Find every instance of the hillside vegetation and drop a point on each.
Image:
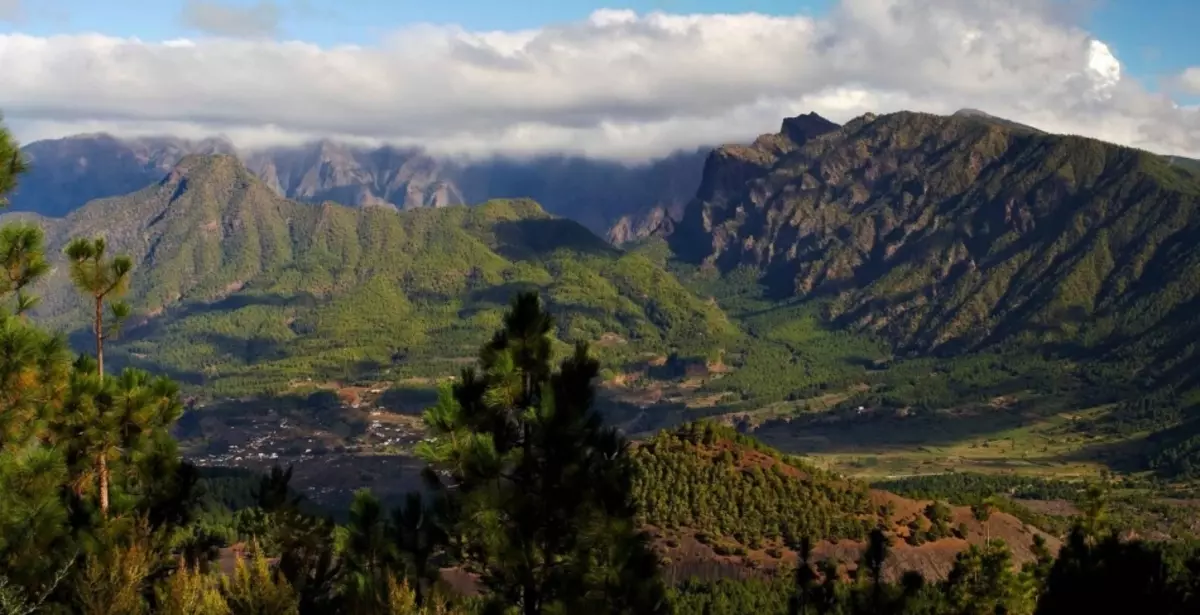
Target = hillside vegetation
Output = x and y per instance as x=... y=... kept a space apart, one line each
x=983 y=258
x=239 y=290
x=728 y=485
x=723 y=504
x=955 y=233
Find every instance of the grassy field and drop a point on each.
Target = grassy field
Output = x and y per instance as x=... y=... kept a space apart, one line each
x=1031 y=436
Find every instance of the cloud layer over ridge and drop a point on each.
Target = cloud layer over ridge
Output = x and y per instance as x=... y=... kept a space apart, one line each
x=617 y=85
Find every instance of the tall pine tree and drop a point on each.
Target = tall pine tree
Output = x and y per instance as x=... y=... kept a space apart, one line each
x=540 y=489
x=101 y=278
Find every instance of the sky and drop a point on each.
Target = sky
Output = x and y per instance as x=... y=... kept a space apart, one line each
x=628 y=80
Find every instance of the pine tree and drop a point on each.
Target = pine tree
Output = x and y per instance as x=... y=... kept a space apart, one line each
x=190 y=592
x=873 y=559
x=367 y=555
x=33 y=365
x=34 y=370
x=101 y=278
x=108 y=418
x=35 y=547
x=983 y=581
x=22 y=262
x=12 y=164
x=541 y=489
x=309 y=560
x=417 y=534
x=274 y=491
x=254 y=589
x=982 y=512
x=402 y=600
x=112 y=578
x=802 y=599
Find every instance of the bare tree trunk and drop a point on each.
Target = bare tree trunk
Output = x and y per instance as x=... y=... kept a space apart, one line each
x=102 y=465
x=99 y=330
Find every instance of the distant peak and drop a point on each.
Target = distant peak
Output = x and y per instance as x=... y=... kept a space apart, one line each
x=192 y=161
x=969 y=112
x=218 y=141
x=328 y=145
x=984 y=116
x=804 y=127
x=194 y=164
x=88 y=136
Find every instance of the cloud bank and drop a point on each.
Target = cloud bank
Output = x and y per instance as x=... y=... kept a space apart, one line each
x=618 y=84
x=1189 y=80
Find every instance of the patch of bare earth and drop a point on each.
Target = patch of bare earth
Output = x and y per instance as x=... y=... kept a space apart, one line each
x=687 y=557
x=609 y=340
x=706 y=401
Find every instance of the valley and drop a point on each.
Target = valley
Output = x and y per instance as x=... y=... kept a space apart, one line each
x=250 y=297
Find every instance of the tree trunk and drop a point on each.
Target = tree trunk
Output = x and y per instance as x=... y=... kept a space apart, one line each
x=102 y=470
x=99 y=330
x=531 y=601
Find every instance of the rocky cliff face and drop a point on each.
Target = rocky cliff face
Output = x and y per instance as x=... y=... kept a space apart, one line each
x=728 y=172
x=630 y=228
x=956 y=232
x=327 y=171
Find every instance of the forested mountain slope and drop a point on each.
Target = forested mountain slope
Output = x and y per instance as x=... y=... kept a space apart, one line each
x=239 y=290
x=1187 y=163
x=718 y=501
x=958 y=233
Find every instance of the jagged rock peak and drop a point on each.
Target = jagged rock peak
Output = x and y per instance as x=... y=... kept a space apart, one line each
x=804 y=127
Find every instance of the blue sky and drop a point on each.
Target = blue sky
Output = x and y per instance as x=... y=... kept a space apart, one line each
x=1152 y=38
x=355 y=21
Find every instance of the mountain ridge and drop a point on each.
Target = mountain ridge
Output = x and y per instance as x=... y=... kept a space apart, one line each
x=66 y=173
x=916 y=203
x=235 y=285
x=69 y=172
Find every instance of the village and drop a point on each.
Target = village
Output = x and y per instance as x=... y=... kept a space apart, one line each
x=360 y=438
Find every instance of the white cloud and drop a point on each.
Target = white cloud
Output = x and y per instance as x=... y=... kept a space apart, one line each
x=223 y=19
x=1189 y=80
x=617 y=84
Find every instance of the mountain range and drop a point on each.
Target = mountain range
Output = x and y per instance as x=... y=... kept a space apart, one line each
x=620 y=201
x=237 y=285
x=934 y=233
x=907 y=235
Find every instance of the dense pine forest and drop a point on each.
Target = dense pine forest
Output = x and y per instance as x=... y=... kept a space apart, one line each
x=531 y=503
